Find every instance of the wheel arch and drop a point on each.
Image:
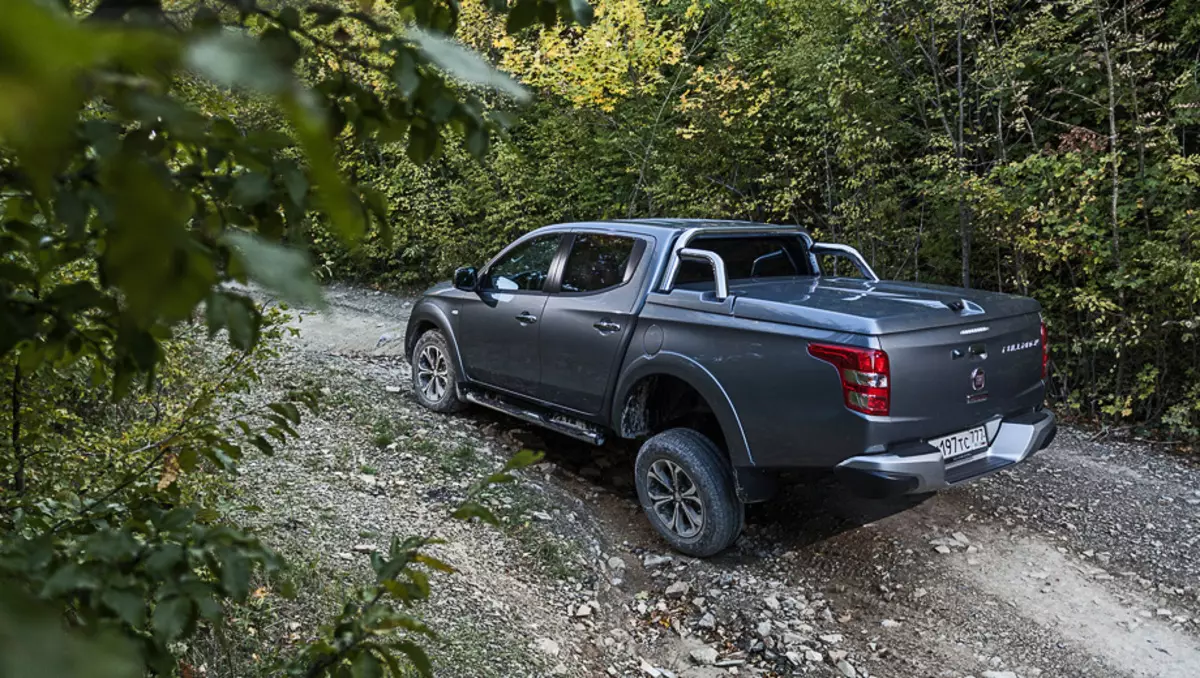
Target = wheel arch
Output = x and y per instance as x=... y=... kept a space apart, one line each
x=428 y=316
x=635 y=388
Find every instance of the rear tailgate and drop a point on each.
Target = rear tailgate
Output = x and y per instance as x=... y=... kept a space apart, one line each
x=953 y=378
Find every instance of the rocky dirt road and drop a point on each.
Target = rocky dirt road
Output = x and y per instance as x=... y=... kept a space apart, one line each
x=1083 y=562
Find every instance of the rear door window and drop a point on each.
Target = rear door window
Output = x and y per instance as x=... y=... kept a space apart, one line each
x=597 y=262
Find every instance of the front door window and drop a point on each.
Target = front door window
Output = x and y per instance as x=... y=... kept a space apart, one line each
x=525 y=268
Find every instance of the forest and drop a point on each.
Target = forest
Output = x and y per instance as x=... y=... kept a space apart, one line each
x=154 y=153
x=1043 y=148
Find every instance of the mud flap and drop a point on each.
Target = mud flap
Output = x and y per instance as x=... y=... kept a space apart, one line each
x=754 y=485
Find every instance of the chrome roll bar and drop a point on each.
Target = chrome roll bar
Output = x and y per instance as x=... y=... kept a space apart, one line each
x=720 y=280
x=847 y=251
x=680 y=252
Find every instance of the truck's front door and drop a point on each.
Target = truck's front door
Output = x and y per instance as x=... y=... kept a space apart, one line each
x=498 y=330
x=587 y=320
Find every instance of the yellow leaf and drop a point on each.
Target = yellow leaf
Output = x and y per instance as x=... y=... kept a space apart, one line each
x=170 y=471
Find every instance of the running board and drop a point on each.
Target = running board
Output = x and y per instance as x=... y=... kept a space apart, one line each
x=561 y=423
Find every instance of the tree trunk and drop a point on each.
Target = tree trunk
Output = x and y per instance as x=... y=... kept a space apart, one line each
x=18 y=481
x=1115 y=158
x=964 y=213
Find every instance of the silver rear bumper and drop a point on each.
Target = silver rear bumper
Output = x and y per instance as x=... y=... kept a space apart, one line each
x=919 y=467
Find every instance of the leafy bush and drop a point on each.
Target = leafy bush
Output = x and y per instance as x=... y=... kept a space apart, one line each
x=154 y=153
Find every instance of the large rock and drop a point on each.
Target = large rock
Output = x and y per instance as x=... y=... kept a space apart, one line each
x=704 y=656
x=678 y=590
x=653 y=560
x=547 y=646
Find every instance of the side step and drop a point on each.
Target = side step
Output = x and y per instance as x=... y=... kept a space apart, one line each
x=561 y=423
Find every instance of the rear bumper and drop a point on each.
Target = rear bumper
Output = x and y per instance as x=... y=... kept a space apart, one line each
x=919 y=467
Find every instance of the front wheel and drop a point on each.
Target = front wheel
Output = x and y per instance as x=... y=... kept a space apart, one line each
x=433 y=376
x=685 y=485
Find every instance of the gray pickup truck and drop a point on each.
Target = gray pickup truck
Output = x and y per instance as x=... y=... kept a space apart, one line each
x=736 y=352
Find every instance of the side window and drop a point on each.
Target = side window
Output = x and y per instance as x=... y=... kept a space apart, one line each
x=524 y=268
x=596 y=262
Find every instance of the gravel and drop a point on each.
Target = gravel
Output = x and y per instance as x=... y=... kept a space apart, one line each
x=1078 y=563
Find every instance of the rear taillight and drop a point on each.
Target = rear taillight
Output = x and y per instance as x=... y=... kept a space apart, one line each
x=1045 y=349
x=864 y=373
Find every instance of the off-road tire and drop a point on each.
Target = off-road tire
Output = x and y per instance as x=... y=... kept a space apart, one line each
x=434 y=379
x=707 y=471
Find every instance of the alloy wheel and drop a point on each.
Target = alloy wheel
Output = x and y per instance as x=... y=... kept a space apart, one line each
x=675 y=499
x=433 y=373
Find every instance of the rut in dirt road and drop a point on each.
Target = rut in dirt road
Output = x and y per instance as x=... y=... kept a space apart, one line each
x=1080 y=563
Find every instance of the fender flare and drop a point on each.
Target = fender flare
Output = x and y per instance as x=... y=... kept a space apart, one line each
x=428 y=311
x=698 y=377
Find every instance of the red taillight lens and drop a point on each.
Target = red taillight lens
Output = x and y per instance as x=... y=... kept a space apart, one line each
x=1045 y=349
x=864 y=373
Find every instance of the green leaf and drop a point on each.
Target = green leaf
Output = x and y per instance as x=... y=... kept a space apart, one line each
x=35 y=643
x=244 y=321
x=473 y=509
x=284 y=270
x=416 y=655
x=424 y=142
x=464 y=64
x=129 y=606
x=233 y=59
x=263 y=445
x=436 y=564
x=581 y=12
x=235 y=574
x=295 y=182
x=176 y=519
x=289 y=17
x=71 y=577
x=522 y=15
x=251 y=189
x=404 y=73
x=288 y=410
x=308 y=121
x=366 y=665
x=171 y=617
x=523 y=459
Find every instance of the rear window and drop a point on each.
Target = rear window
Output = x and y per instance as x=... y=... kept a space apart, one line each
x=597 y=262
x=748 y=257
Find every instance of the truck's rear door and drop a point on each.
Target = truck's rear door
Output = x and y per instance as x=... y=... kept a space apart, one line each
x=588 y=318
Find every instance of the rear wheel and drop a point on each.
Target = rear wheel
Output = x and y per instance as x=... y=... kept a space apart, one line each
x=433 y=377
x=686 y=488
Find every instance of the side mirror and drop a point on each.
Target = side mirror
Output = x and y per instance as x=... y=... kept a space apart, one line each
x=466 y=278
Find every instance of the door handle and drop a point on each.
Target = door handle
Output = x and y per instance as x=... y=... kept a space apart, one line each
x=527 y=318
x=606 y=326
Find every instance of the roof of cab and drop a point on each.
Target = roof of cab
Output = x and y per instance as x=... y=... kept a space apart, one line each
x=664 y=227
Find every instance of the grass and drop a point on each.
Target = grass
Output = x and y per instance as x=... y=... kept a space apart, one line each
x=383 y=433
x=555 y=557
x=463 y=458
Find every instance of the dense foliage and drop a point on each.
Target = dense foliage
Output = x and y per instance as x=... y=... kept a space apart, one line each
x=1046 y=148
x=152 y=154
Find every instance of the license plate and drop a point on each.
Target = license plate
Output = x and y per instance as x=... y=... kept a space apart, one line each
x=963 y=442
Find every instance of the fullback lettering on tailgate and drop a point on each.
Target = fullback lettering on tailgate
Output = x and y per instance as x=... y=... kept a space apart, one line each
x=1021 y=346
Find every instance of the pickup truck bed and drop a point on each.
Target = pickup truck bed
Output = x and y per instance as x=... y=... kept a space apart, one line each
x=731 y=333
